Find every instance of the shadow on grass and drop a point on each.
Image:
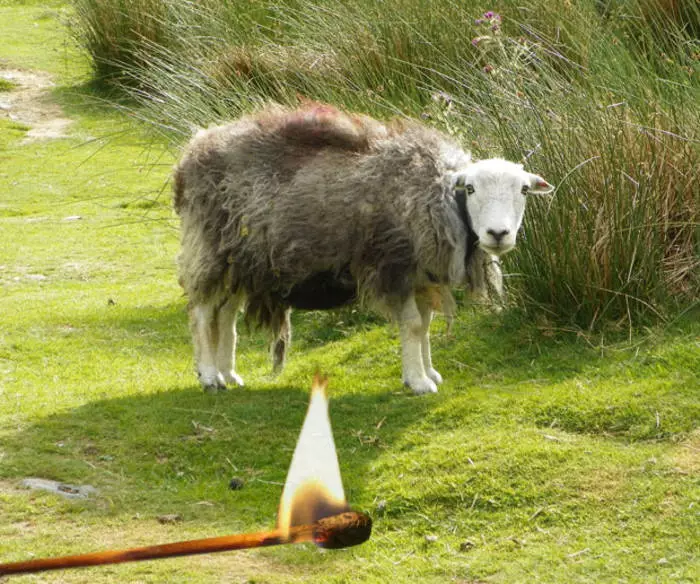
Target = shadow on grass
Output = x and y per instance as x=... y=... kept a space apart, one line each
x=96 y=102
x=92 y=99
x=174 y=448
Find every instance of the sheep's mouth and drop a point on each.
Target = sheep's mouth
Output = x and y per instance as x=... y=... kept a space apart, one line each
x=498 y=249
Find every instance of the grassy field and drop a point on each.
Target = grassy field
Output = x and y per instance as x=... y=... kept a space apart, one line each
x=549 y=455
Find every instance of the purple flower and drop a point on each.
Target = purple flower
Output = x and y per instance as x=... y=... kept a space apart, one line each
x=442 y=97
x=489 y=15
x=478 y=21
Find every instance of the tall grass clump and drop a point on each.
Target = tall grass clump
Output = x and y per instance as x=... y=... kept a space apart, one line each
x=603 y=98
x=116 y=33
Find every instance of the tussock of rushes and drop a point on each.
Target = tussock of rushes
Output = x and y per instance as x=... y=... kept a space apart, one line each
x=602 y=98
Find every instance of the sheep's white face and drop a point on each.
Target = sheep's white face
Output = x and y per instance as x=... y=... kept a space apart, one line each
x=496 y=193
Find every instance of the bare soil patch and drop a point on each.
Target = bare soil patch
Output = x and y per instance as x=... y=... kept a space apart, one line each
x=30 y=103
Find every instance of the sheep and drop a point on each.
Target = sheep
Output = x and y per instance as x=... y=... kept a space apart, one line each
x=314 y=208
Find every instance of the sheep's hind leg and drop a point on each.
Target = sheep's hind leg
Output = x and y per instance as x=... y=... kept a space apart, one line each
x=226 y=348
x=205 y=332
x=426 y=314
x=281 y=338
x=412 y=330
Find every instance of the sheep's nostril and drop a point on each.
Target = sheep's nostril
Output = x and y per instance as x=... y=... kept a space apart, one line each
x=498 y=235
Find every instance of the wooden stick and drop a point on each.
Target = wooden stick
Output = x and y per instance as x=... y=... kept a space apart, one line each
x=343 y=530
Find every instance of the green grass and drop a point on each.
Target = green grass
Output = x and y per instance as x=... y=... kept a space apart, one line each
x=549 y=455
x=25 y=45
x=7 y=85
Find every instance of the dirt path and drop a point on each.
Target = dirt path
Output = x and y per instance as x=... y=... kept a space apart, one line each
x=30 y=103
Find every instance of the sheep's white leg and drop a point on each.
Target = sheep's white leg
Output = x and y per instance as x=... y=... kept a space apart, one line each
x=205 y=334
x=412 y=331
x=281 y=339
x=226 y=349
x=426 y=313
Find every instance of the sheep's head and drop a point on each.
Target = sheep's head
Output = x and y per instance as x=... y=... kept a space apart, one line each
x=496 y=191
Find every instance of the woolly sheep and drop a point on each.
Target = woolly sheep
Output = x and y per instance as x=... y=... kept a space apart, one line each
x=315 y=208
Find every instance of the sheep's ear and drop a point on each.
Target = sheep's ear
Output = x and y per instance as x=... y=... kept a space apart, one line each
x=538 y=186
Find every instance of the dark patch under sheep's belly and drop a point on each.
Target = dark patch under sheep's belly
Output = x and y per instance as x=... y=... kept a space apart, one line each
x=323 y=291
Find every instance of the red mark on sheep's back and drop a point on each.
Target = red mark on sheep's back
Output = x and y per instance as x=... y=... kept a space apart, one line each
x=320 y=109
x=316 y=126
x=323 y=126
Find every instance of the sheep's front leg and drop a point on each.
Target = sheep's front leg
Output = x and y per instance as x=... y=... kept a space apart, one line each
x=426 y=313
x=205 y=333
x=226 y=349
x=412 y=330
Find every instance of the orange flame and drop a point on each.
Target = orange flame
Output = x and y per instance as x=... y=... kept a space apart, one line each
x=313 y=489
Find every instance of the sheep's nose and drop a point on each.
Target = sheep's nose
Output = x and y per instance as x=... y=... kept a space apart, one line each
x=498 y=235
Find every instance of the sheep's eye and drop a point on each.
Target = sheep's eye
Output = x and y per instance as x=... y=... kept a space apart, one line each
x=470 y=189
x=525 y=189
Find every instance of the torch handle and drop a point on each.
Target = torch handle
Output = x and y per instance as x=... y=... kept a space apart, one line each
x=169 y=550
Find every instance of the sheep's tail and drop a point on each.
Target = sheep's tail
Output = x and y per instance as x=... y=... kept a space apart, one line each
x=179 y=190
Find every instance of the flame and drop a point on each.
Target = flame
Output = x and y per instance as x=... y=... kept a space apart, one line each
x=314 y=488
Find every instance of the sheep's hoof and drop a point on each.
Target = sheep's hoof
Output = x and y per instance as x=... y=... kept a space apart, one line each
x=434 y=375
x=421 y=386
x=277 y=368
x=212 y=382
x=232 y=378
